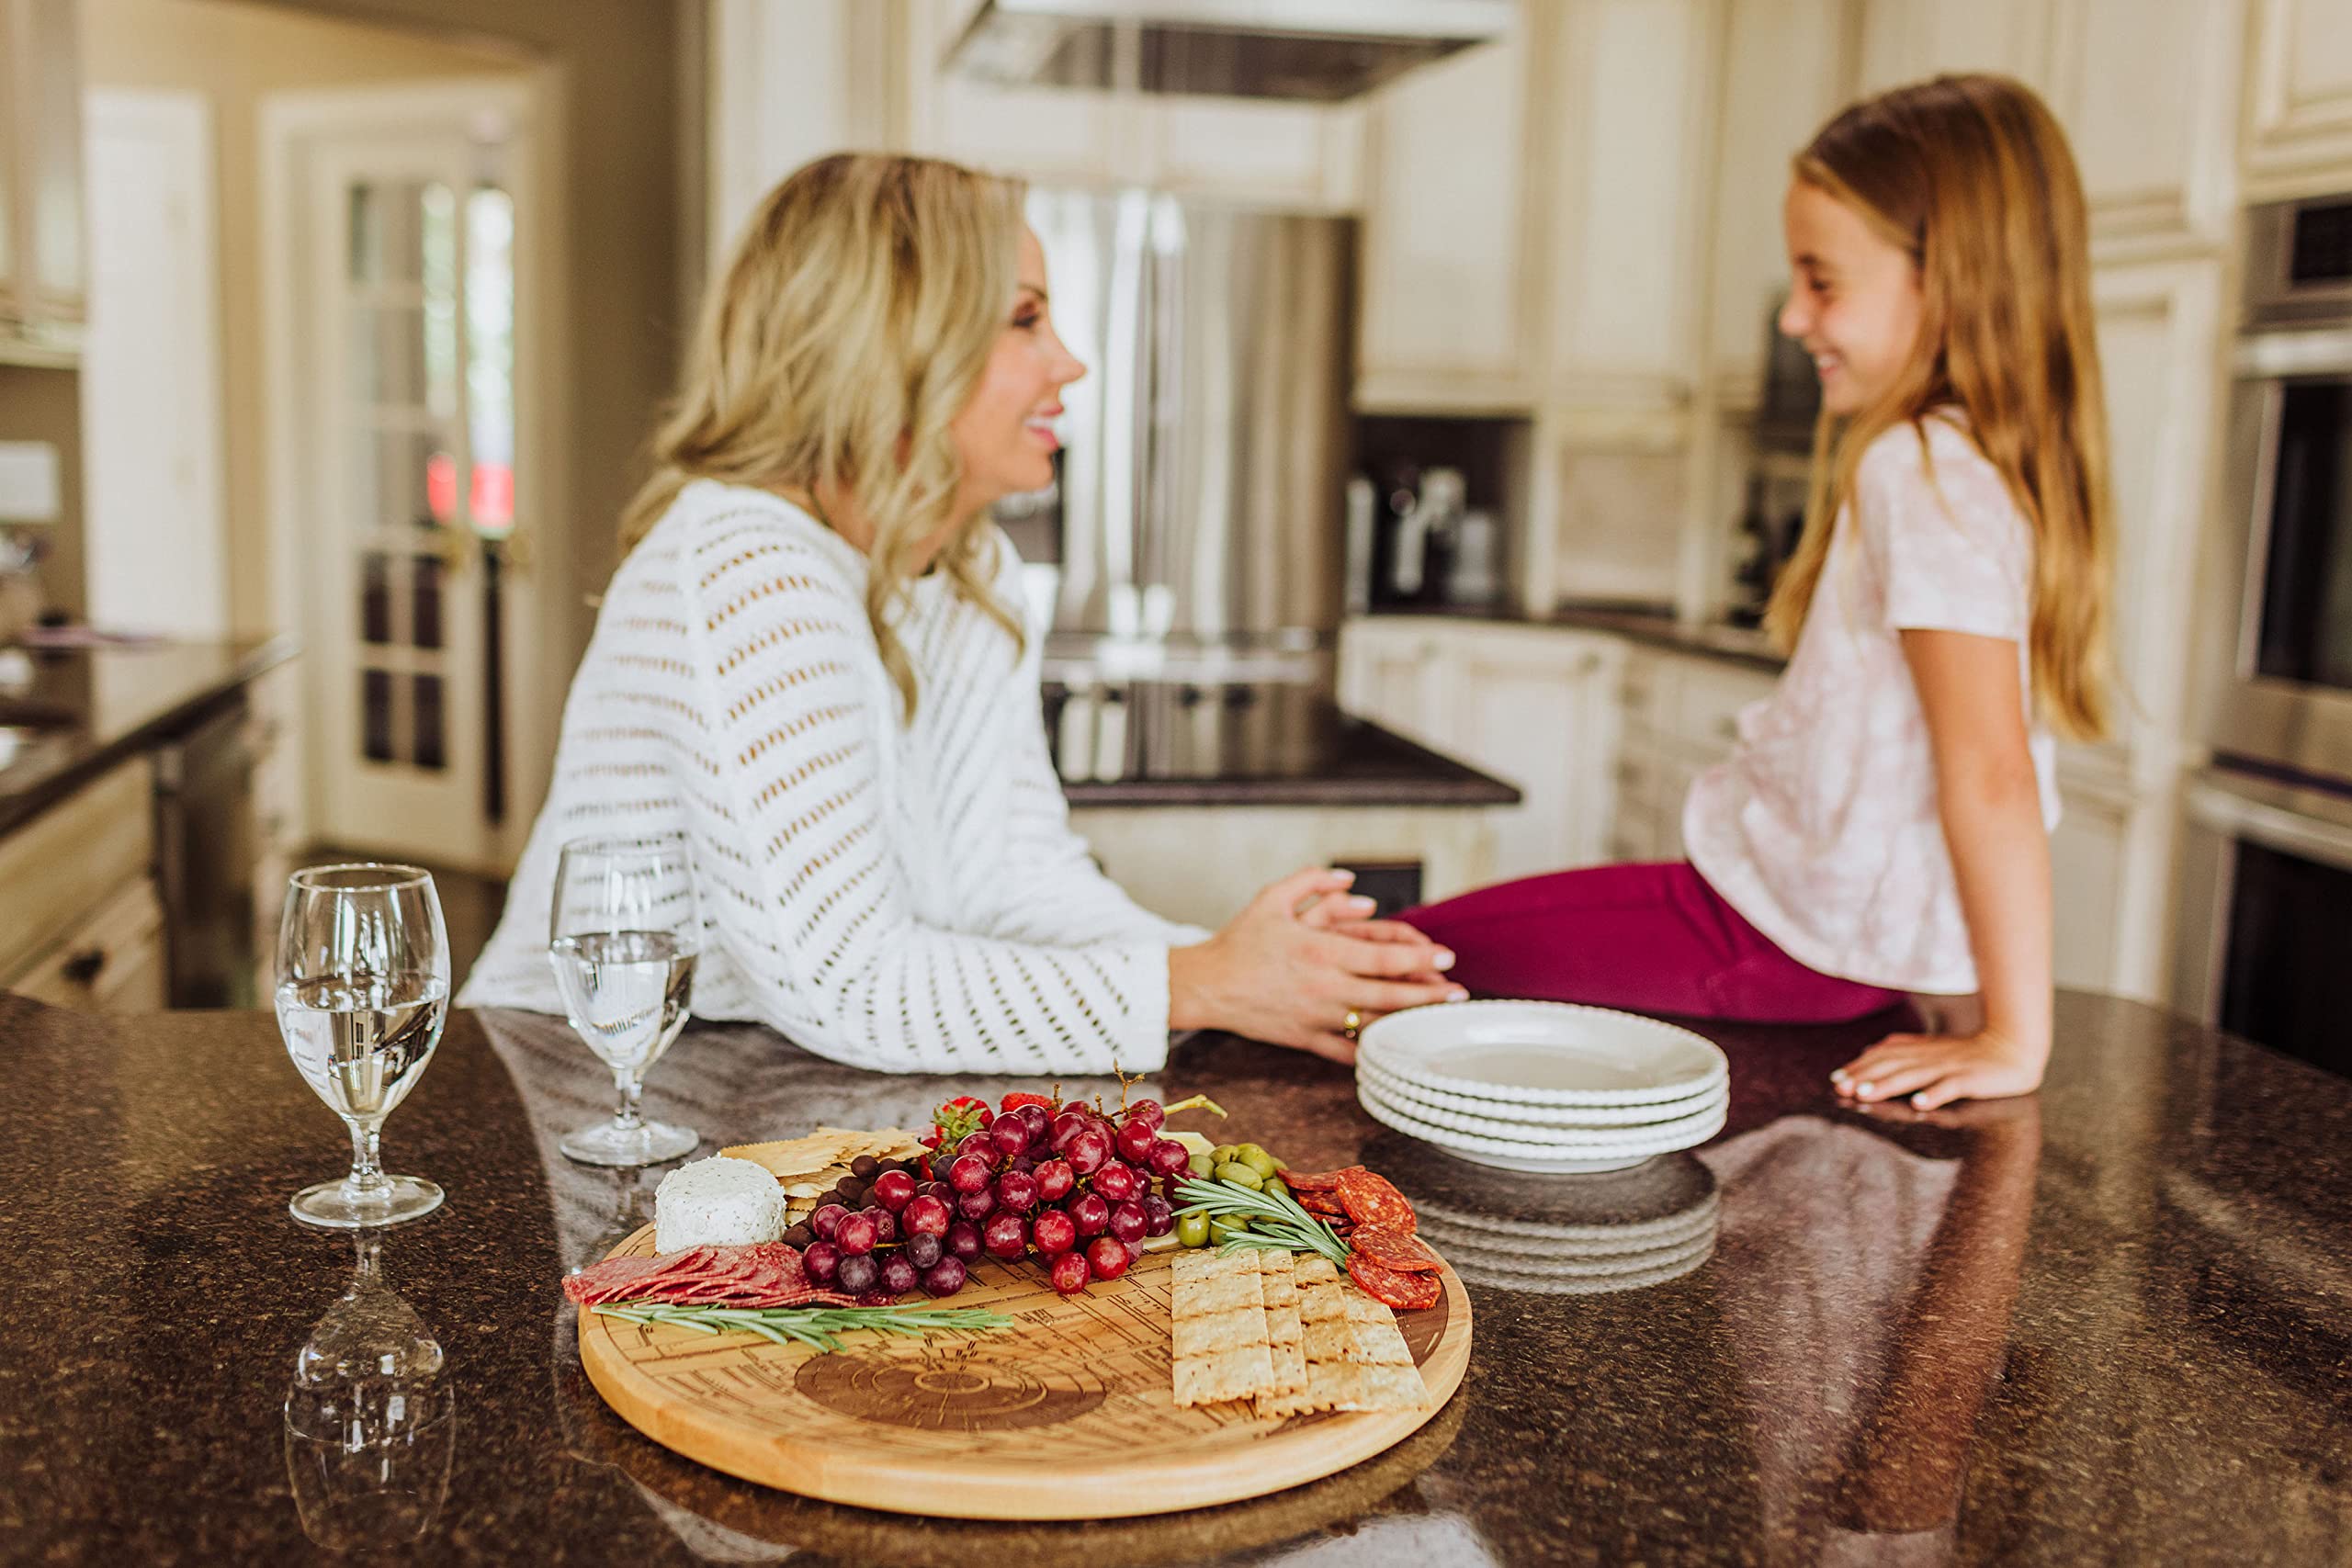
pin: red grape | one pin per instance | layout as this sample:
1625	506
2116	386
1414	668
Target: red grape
1118	1182
900	1274
970	1173
1146	1111
827	1218
1012	1136
856	1236
935	1190
1005	1236
857	1274
1158	1215
1017	1189
977	1205
1069	1273
964	1240
923	1249
892	1189
1055	1233
821	1259
1088	1152
945	1278
1168	1159
1108	1257
1134	1141
886	1224
1090	1212
1055	1178
1128	1222
978	1143
925	1214
1039	1122
1068	1125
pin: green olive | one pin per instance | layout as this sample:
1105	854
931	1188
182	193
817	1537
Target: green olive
1247	1175
1201	1166
1224	1153
1192	1230
1256	1159
1276	1186
1223	1228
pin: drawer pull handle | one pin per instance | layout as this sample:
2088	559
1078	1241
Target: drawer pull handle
84	968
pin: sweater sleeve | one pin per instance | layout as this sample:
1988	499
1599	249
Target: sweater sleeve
801	885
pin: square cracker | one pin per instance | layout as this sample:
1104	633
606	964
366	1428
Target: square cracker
1208	1263
1282	1281
1235	1374
1324	1306
1199	1298
1379	1387
790	1159
1290	1371
1314	1269
1195	1339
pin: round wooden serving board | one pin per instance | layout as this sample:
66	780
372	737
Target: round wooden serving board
1068	1415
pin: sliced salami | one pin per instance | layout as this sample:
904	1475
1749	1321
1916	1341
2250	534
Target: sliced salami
1370	1200
1320	1203
1393	1249
1315	1182
1394	1288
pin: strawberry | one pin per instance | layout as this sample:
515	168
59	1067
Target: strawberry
1016	1100
959	1118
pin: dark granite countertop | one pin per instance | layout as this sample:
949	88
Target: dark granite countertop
85	709
1653	626
2112	1323
1242	743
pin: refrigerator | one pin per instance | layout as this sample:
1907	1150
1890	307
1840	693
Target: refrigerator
1195	529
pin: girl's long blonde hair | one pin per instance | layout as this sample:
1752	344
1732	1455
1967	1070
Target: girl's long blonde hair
1971	175
854	322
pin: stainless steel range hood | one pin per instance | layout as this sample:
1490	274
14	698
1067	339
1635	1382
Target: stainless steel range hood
1319	51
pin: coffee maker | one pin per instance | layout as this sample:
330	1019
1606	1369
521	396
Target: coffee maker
1411	535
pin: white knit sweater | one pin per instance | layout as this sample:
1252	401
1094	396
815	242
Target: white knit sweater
903	897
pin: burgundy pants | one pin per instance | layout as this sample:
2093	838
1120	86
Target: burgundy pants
1642	938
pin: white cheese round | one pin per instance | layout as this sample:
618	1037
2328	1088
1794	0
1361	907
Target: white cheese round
716	1202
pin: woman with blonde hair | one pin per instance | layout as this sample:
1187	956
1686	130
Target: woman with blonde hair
806	665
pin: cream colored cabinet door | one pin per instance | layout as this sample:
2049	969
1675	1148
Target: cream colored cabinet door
1905	40
1390	673
2298	98
2148	91
1446	315
1538	708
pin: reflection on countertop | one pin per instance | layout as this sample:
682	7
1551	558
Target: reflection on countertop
1123	742
66	716
1997	1334
1654	625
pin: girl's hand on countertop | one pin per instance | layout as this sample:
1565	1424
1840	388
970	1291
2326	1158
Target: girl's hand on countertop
1936	1069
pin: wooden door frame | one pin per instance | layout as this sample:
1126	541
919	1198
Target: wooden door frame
291	122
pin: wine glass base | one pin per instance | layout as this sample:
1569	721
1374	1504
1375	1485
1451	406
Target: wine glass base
647	1143
336	1205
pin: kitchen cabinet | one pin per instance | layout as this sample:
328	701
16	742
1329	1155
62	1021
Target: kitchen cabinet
1534	706
1449	298
2298	120
83	924
1680	718
1905	40
43	261
2148	93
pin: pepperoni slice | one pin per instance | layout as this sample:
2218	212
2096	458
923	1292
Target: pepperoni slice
1370	1200
1320	1203
1393	1249
1312	1181
1392	1288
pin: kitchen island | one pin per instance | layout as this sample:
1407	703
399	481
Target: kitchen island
2109	1323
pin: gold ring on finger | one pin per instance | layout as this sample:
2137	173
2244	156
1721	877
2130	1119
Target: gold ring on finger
1352	1025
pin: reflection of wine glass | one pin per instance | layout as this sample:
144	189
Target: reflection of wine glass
362	989
623	934
371	1429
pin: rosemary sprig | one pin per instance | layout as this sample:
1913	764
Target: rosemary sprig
1275	1218
817	1328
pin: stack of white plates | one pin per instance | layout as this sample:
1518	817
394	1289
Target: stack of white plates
1605	1233
1541	1087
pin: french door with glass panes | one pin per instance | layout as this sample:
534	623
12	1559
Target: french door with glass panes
411	399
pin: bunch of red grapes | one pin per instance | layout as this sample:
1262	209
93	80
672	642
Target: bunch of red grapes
1080	1188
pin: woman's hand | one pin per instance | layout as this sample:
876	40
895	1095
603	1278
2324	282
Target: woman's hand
1936	1069
1288	970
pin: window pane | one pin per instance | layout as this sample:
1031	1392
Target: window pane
424	585
376	715
430	751
490	347
374	598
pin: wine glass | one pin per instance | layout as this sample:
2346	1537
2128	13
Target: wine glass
363	990
369	1425
623	934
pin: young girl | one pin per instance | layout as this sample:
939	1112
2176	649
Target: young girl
806	665
1883	827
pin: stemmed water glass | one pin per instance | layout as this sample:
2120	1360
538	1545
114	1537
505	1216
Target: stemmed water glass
623	934
363	990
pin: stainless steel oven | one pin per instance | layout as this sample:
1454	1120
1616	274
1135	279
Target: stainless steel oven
2280	686
2264	934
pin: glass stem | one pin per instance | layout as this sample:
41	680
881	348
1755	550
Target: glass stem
366	1171
628	1088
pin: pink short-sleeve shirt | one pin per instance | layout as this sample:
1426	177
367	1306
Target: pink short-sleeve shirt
1822	828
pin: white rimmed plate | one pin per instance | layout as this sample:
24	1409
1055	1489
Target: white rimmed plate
1542	1053
1545	1160
1707	1113
1453	1231
1576	1266
1415	1095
